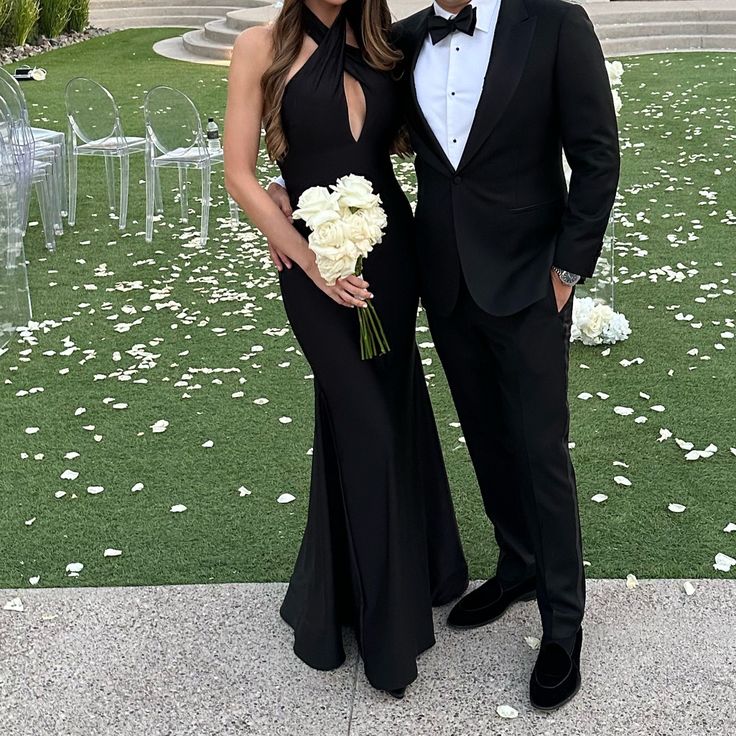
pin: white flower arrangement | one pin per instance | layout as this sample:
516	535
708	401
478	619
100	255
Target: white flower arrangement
595	323
347	221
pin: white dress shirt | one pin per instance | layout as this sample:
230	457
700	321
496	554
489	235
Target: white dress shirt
449	78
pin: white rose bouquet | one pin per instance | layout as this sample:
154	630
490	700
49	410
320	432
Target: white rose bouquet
347	221
595	323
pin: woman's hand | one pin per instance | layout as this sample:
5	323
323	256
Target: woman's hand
348	292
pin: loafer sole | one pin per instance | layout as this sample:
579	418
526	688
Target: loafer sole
551	708
466	627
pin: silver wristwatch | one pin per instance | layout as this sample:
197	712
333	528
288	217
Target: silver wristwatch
567	278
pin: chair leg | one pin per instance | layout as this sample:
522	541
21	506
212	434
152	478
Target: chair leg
44	192
124	178
205	223
72	162
234	210
183	193
110	172
159	196
151	179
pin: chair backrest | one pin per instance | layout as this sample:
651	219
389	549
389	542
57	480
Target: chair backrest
11	92
92	111
172	121
18	139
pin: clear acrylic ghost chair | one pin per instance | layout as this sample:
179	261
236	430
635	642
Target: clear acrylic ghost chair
43	151
31	172
95	129
54	141
175	139
15	300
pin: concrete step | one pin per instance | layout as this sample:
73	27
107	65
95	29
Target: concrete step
154	21
683	14
218	31
128	5
239	20
695	28
655	44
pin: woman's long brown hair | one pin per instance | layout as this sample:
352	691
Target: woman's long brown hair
371	23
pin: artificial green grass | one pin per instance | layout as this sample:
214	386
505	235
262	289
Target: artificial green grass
217	309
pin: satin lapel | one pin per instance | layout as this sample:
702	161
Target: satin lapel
422	125
511	43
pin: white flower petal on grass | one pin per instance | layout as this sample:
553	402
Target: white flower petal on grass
74	568
724	563
208	443
31	430
286	420
112	552
507	711
137	487
286	498
623	411
28	522
585	396
657	407
159	426
69	475
59	494
602	396
730	527
599	498
243	491
641	420
622	480
689	588
683	445
94	490
14	604
664	434
676	508
631	581
733	450
78	412
532	641
260	402
34	580
71	456
178	508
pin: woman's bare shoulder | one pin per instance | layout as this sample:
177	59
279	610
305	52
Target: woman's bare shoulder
254	46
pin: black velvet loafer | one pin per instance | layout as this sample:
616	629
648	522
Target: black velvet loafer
489	602
556	676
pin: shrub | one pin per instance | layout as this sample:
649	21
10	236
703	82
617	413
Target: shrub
5	7
79	15
22	17
54	17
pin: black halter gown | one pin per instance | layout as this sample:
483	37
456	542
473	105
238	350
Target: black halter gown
381	545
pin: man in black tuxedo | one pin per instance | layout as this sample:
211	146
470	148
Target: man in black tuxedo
496	90
502	245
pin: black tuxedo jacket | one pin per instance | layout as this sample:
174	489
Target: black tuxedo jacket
504	217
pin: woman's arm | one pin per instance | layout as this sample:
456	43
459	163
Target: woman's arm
251	57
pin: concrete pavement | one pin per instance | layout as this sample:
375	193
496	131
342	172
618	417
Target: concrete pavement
216	660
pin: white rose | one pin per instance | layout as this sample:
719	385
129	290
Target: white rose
593	326
363	232
617	102
317	205
356	192
329	234
333	264
615	71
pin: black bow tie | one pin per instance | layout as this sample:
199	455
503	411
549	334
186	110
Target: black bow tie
464	22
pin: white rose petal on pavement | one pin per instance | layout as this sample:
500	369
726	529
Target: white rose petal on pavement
532	641
178	508
506	711
676	508
689	588
14	604
631	581
286	498
599	498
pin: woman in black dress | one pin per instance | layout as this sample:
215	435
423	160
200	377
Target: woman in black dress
381	545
